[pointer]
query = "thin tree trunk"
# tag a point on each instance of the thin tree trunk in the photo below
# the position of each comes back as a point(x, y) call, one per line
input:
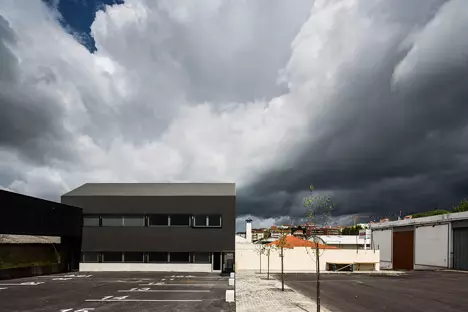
point(268, 267)
point(282, 270)
point(260, 263)
point(317, 261)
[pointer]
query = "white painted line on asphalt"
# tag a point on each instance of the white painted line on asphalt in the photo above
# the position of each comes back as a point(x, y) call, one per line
point(165, 290)
point(162, 284)
point(62, 279)
point(140, 300)
point(24, 284)
point(2, 288)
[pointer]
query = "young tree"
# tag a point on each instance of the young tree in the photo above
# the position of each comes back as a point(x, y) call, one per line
point(462, 206)
point(319, 210)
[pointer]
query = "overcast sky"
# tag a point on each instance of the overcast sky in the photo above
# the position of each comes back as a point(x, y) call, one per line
point(367, 100)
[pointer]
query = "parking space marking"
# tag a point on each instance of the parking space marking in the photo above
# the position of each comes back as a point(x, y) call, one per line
point(164, 284)
point(79, 310)
point(124, 299)
point(165, 290)
point(2, 288)
point(24, 284)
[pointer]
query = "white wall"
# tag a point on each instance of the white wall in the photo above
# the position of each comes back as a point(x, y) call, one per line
point(431, 246)
point(299, 259)
point(146, 267)
point(382, 240)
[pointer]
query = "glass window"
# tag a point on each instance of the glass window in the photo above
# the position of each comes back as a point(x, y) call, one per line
point(180, 220)
point(133, 257)
point(200, 220)
point(158, 220)
point(90, 256)
point(111, 257)
point(157, 257)
point(112, 221)
point(179, 257)
point(214, 220)
point(91, 221)
point(134, 221)
point(202, 257)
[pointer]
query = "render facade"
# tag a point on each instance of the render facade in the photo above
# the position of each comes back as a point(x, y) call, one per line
point(179, 227)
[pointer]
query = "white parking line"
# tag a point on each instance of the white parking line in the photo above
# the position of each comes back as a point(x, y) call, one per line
point(166, 290)
point(162, 284)
point(139, 300)
point(24, 284)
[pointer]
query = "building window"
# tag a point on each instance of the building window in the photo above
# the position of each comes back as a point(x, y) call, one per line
point(157, 257)
point(207, 221)
point(91, 221)
point(111, 257)
point(180, 220)
point(158, 220)
point(201, 257)
point(133, 257)
point(90, 257)
point(214, 220)
point(179, 257)
point(112, 221)
point(199, 220)
point(134, 221)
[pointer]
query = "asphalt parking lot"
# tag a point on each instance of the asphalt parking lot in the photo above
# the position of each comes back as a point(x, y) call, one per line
point(413, 291)
point(116, 292)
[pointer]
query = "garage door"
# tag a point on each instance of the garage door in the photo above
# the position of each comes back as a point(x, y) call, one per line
point(460, 249)
point(403, 250)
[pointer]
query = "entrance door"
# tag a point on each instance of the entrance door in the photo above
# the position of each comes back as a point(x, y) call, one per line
point(216, 261)
point(228, 262)
point(460, 250)
point(403, 250)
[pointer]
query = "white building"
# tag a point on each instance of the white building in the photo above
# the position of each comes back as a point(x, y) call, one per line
point(344, 241)
point(423, 243)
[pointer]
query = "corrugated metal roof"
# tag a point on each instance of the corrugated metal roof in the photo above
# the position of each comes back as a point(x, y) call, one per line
point(29, 239)
point(154, 189)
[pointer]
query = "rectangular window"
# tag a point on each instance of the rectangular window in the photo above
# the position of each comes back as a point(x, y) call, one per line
point(199, 220)
point(112, 221)
point(91, 221)
point(201, 257)
point(90, 257)
point(179, 257)
point(134, 221)
point(158, 220)
point(214, 220)
point(111, 257)
point(180, 220)
point(133, 257)
point(157, 257)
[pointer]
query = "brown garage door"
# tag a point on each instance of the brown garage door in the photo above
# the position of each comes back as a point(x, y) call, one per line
point(403, 250)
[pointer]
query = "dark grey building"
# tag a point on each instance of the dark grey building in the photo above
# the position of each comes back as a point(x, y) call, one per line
point(185, 227)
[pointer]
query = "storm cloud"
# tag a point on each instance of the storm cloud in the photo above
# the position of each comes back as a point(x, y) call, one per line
point(367, 100)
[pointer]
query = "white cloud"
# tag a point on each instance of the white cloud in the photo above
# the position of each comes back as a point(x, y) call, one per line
point(184, 92)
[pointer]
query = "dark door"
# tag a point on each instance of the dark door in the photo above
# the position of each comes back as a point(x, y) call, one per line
point(228, 262)
point(403, 250)
point(216, 261)
point(460, 249)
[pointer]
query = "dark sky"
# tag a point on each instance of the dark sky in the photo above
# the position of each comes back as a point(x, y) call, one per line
point(367, 100)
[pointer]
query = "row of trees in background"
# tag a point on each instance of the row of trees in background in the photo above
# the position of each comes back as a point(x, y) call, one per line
point(462, 206)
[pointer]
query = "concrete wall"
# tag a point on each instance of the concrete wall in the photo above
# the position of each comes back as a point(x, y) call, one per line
point(382, 241)
point(146, 267)
point(299, 259)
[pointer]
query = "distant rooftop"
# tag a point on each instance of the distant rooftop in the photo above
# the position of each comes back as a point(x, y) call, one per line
point(154, 189)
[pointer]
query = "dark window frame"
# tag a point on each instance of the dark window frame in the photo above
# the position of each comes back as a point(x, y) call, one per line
point(193, 258)
point(133, 216)
point(158, 225)
point(166, 254)
point(143, 257)
point(172, 253)
point(103, 217)
point(98, 258)
point(98, 217)
point(189, 220)
point(103, 257)
point(206, 225)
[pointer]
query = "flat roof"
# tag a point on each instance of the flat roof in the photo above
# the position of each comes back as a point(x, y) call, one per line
point(154, 189)
point(449, 217)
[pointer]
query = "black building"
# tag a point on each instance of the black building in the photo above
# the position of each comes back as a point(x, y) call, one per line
point(25, 215)
point(185, 227)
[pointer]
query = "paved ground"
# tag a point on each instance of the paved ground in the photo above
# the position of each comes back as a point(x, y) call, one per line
point(414, 291)
point(116, 292)
point(256, 294)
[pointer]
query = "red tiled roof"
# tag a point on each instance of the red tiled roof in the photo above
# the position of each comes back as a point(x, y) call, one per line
point(292, 241)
